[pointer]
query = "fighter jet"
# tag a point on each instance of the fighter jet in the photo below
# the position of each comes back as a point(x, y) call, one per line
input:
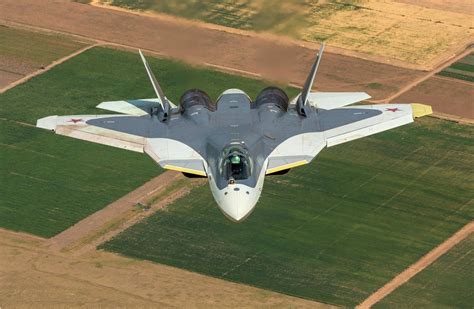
point(235, 141)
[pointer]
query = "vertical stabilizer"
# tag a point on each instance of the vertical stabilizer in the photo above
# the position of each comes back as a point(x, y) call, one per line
point(303, 98)
point(165, 105)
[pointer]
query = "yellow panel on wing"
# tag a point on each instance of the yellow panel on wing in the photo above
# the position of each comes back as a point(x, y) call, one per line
point(420, 110)
point(286, 166)
point(185, 170)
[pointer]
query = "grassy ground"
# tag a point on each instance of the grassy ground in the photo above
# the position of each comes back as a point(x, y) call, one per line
point(49, 182)
point(381, 28)
point(446, 283)
point(463, 69)
point(33, 48)
point(335, 230)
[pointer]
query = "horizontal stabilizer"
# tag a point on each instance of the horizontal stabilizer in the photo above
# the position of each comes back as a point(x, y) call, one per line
point(130, 107)
point(332, 100)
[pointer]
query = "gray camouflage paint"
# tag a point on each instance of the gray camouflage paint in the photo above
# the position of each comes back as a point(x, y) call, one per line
point(236, 119)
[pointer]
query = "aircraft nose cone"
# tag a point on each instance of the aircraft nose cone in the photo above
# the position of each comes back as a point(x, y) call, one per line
point(238, 203)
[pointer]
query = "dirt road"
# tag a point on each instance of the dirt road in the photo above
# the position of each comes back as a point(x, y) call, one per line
point(445, 95)
point(32, 276)
point(275, 60)
point(104, 224)
point(16, 82)
point(415, 268)
point(23, 52)
point(428, 75)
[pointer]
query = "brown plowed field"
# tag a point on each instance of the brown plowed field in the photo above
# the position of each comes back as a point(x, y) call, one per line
point(24, 52)
point(445, 95)
point(34, 277)
point(279, 61)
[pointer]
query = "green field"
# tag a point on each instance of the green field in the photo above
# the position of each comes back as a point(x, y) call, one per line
point(334, 231)
point(447, 283)
point(463, 69)
point(33, 49)
point(50, 182)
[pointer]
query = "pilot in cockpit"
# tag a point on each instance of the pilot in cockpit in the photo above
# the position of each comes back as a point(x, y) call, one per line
point(236, 164)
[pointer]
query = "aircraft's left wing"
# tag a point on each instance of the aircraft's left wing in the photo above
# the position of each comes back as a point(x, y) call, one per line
point(364, 120)
point(76, 126)
point(338, 126)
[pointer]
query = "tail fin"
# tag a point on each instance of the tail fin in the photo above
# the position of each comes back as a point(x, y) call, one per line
point(165, 104)
point(302, 100)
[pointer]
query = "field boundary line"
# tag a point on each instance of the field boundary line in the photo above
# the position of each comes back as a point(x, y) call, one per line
point(100, 42)
point(288, 40)
point(418, 266)
point(430, 74)
point(226, 68)
point(451, 79)
point(458, 119)
point(22, 234)
point(127, 47)
point(46, 68)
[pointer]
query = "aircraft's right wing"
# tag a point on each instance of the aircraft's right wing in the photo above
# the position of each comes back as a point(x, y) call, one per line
point(135, 133)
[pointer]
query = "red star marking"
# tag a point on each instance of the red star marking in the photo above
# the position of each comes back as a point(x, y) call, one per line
point(395, 109)
point(75, 120)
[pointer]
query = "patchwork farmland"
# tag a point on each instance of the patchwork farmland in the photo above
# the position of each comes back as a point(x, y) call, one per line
point(462, 70)
point(311, 236)
point(51, 182)
point(448, 282)
point(334, 231)
point(23, 52)
point(403, 31)
point(450, 91)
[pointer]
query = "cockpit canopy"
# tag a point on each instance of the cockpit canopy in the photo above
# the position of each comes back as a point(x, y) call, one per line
point(235, 163)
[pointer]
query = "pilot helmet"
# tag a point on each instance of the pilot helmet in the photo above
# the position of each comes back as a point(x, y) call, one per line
point(235, 159)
